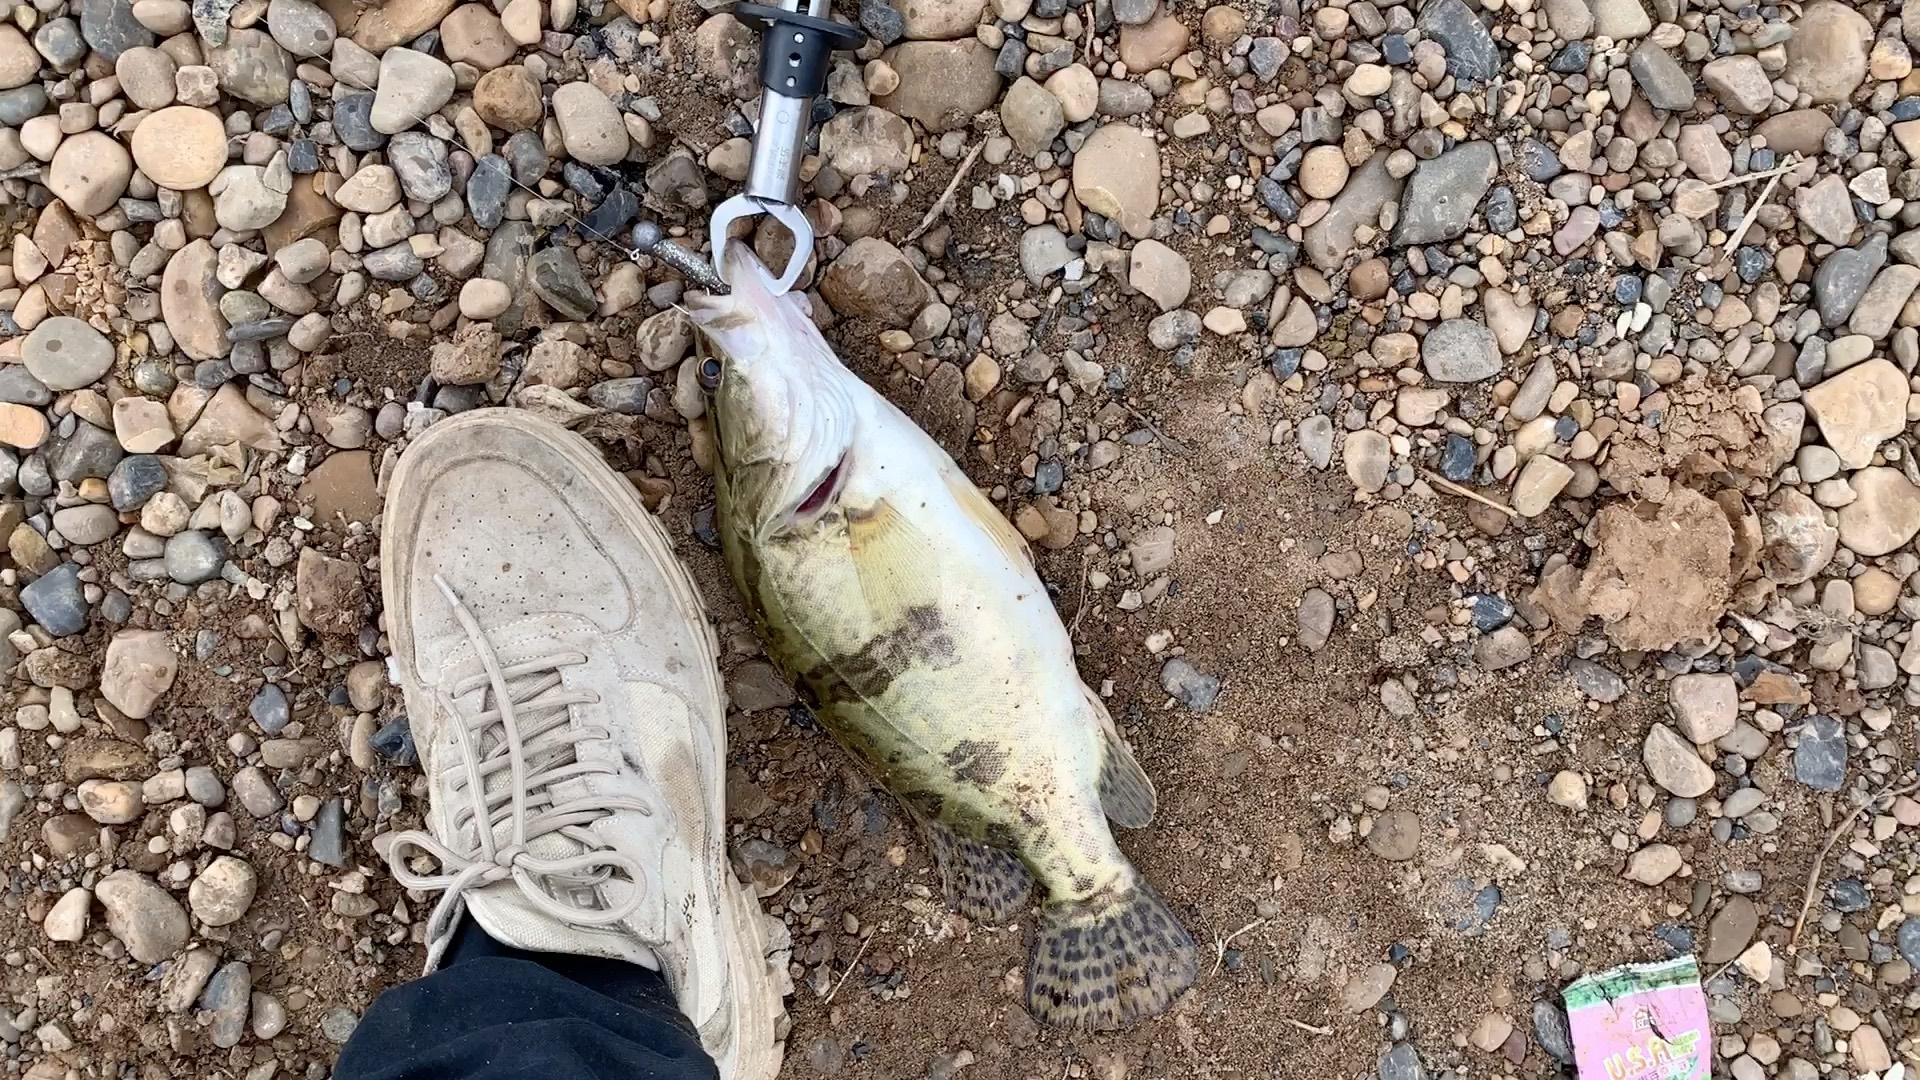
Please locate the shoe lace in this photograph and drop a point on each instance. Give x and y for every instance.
(522, 727)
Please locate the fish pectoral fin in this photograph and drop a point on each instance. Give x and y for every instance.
(1126, 794)
(891, 557)
(983, 883)
(1105, 962)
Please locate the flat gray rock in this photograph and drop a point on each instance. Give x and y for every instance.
(1442, 194)
(1471, 53)
(1370, 187)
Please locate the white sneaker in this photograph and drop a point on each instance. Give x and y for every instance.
(558, 665)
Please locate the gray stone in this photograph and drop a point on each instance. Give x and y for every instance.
(1596, 681)
(1666, 84)
(420, 160)
(1460, 350)
(66, 354)
(1907, 938)
(1551, 1031)
(396, 263)
(19, 387)
(194, 556)
(625, 396)
(1820, 761)
(353, 122)
(226, 1000)
(110, 28)
(57, 601)
(22, 103)
(329, 843)
(252, 66)
(1401, 1063)
(1442, 194)
(1370, 188)
(558, 279)
(89, 451)
(60, 42)
(270, 710)
(487, 190)
(1843, 278)
(1043, 251)
(1184, 682)
(1471, 54)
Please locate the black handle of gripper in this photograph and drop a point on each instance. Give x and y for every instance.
(796, 48)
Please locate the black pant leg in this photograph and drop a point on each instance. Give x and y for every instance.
(492, 1012)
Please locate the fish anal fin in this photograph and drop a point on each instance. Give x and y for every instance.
(1126, 794)
(983, 883)
(1105, 962)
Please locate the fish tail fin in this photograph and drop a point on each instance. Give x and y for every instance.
(981, 882)
(1103, 963)
(1126, 794)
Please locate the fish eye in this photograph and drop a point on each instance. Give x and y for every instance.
(709, 374)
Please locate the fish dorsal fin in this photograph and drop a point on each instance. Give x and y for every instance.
(1125, 792)
(991, 521)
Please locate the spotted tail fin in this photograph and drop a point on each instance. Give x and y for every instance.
(1103, 963)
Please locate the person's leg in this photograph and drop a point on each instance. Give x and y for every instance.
(561, 681)
(494, 1012)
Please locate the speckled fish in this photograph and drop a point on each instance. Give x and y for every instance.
(906, 610)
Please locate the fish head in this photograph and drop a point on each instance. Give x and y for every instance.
(783, 405)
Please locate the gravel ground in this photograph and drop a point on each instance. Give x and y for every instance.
(1469, 442)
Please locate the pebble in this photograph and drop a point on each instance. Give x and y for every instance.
(89, 172)
(1441, 195)
(1471, 52)
(412, 86)
(590, 126)
(194, 556)
(67, 919)
(225, 1001)
(149, 922)
(1674, 765)
(1460, 351)
(1820, 759)
(1884, 513)
(57, 601)
(1116, 174)
(1860, 408)
(1185, 684)
(223, 892)
(1705, 706)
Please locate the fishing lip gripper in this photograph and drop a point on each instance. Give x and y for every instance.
(796, 47)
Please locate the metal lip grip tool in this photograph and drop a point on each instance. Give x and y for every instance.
(795, 49)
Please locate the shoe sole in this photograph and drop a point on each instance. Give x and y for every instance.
(760, 1014)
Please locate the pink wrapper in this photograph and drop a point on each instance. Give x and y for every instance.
(1641, 1022)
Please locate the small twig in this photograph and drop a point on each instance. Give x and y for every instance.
(1220, 947)
(945, 200)
(1309, 1028)
(1166, 440)
(1073, 627)
(847, 974)
(1447, 485)
(1820, 860)
(1746, 222)
(1791, 163)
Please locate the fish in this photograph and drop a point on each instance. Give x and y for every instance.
(907, 612)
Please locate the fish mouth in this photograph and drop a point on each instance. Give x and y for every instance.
(822, 494)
